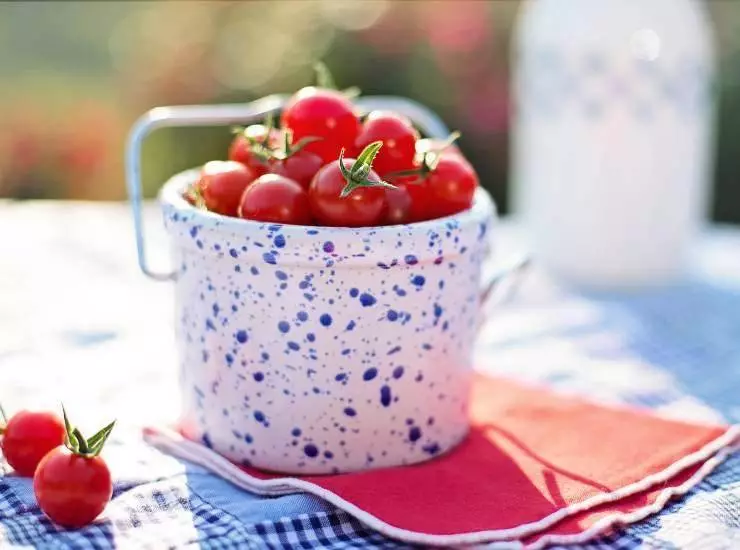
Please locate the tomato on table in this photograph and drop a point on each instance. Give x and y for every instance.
(28, 436)
(72, 483)
(222, 184)
(276, 199)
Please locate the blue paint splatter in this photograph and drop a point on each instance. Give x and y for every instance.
(410, 259)
(258, 376)
(259, 416)
(254, 270)
(311, 451)
(296, 432)
(431, 449)
(351, 325)
(269, 258)
(394, 350)
(265, 356)
(294, 346)
(414, 434)
(353, 292)
(438, 260)
(445, 326)
(328, 247)
(426, 346)
(281, 275)
(312, 232)
(341, 377)
(367, 300)
(349, 411)
(418, 280)
(248, 438)
(229, 359)
(369, 374)
(207, 441)
(284, 326)
(241, 336)
(346, 351)
(437, 310)
(216, 309)
(302, 316)
(397, 372)
(328, 455)
(325, 319)
(279, 241)
(233, 252)
(392, 315)
(193, 232)
(303, 285)
(385, 396)
(311, 337)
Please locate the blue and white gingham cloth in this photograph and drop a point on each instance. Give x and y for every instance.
(674, 350)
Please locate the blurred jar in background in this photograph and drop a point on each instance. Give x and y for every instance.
(613, 136)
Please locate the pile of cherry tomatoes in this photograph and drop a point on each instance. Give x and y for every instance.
(325, 165)
(71, 481)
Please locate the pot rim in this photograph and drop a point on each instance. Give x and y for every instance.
(171, 197)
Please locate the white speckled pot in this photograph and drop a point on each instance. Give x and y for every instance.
(324, 350)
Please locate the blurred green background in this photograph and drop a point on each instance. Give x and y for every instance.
(75, 75)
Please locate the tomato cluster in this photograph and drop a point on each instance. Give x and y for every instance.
(71, 482)
(325, 165)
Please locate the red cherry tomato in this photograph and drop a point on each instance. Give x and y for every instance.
(28, 437)
(325, 114)
(276, 199)
(72, 490)
(241, 150)
(222, 184)
(398, 137)
(300, 166)
(447, 190)
(364, 207)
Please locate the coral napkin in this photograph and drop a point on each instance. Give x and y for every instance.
(537, 468)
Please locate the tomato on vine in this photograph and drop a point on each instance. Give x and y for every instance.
(72, 483)
(27, 437)
(250, 145)
(440, 184)
(348, 192)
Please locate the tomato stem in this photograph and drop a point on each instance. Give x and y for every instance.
(358, 174)
(84, 449)
(324, 79)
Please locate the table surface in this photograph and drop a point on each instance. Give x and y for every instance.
(80, 324)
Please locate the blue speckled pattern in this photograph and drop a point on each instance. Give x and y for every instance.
(320, 350)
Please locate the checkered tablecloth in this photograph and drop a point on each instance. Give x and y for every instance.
(78, 323)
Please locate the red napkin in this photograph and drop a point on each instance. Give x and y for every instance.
(537, 468)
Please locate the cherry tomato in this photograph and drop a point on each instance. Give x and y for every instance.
(300, 166)
(222, 184)
(276, 199)
(364, 207)
(28, 437)
(398, 137)
(72, 490)
(448, 189)
(325, 114)
(241, 149)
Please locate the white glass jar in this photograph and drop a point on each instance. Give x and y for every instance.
(613, 132)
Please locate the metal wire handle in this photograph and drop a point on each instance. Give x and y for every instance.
(231, 114)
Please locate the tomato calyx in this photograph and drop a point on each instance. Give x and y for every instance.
(428, 161)
(358, 174)
(324, 79)
(79, 445)
(260, 148)
(287, 149)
